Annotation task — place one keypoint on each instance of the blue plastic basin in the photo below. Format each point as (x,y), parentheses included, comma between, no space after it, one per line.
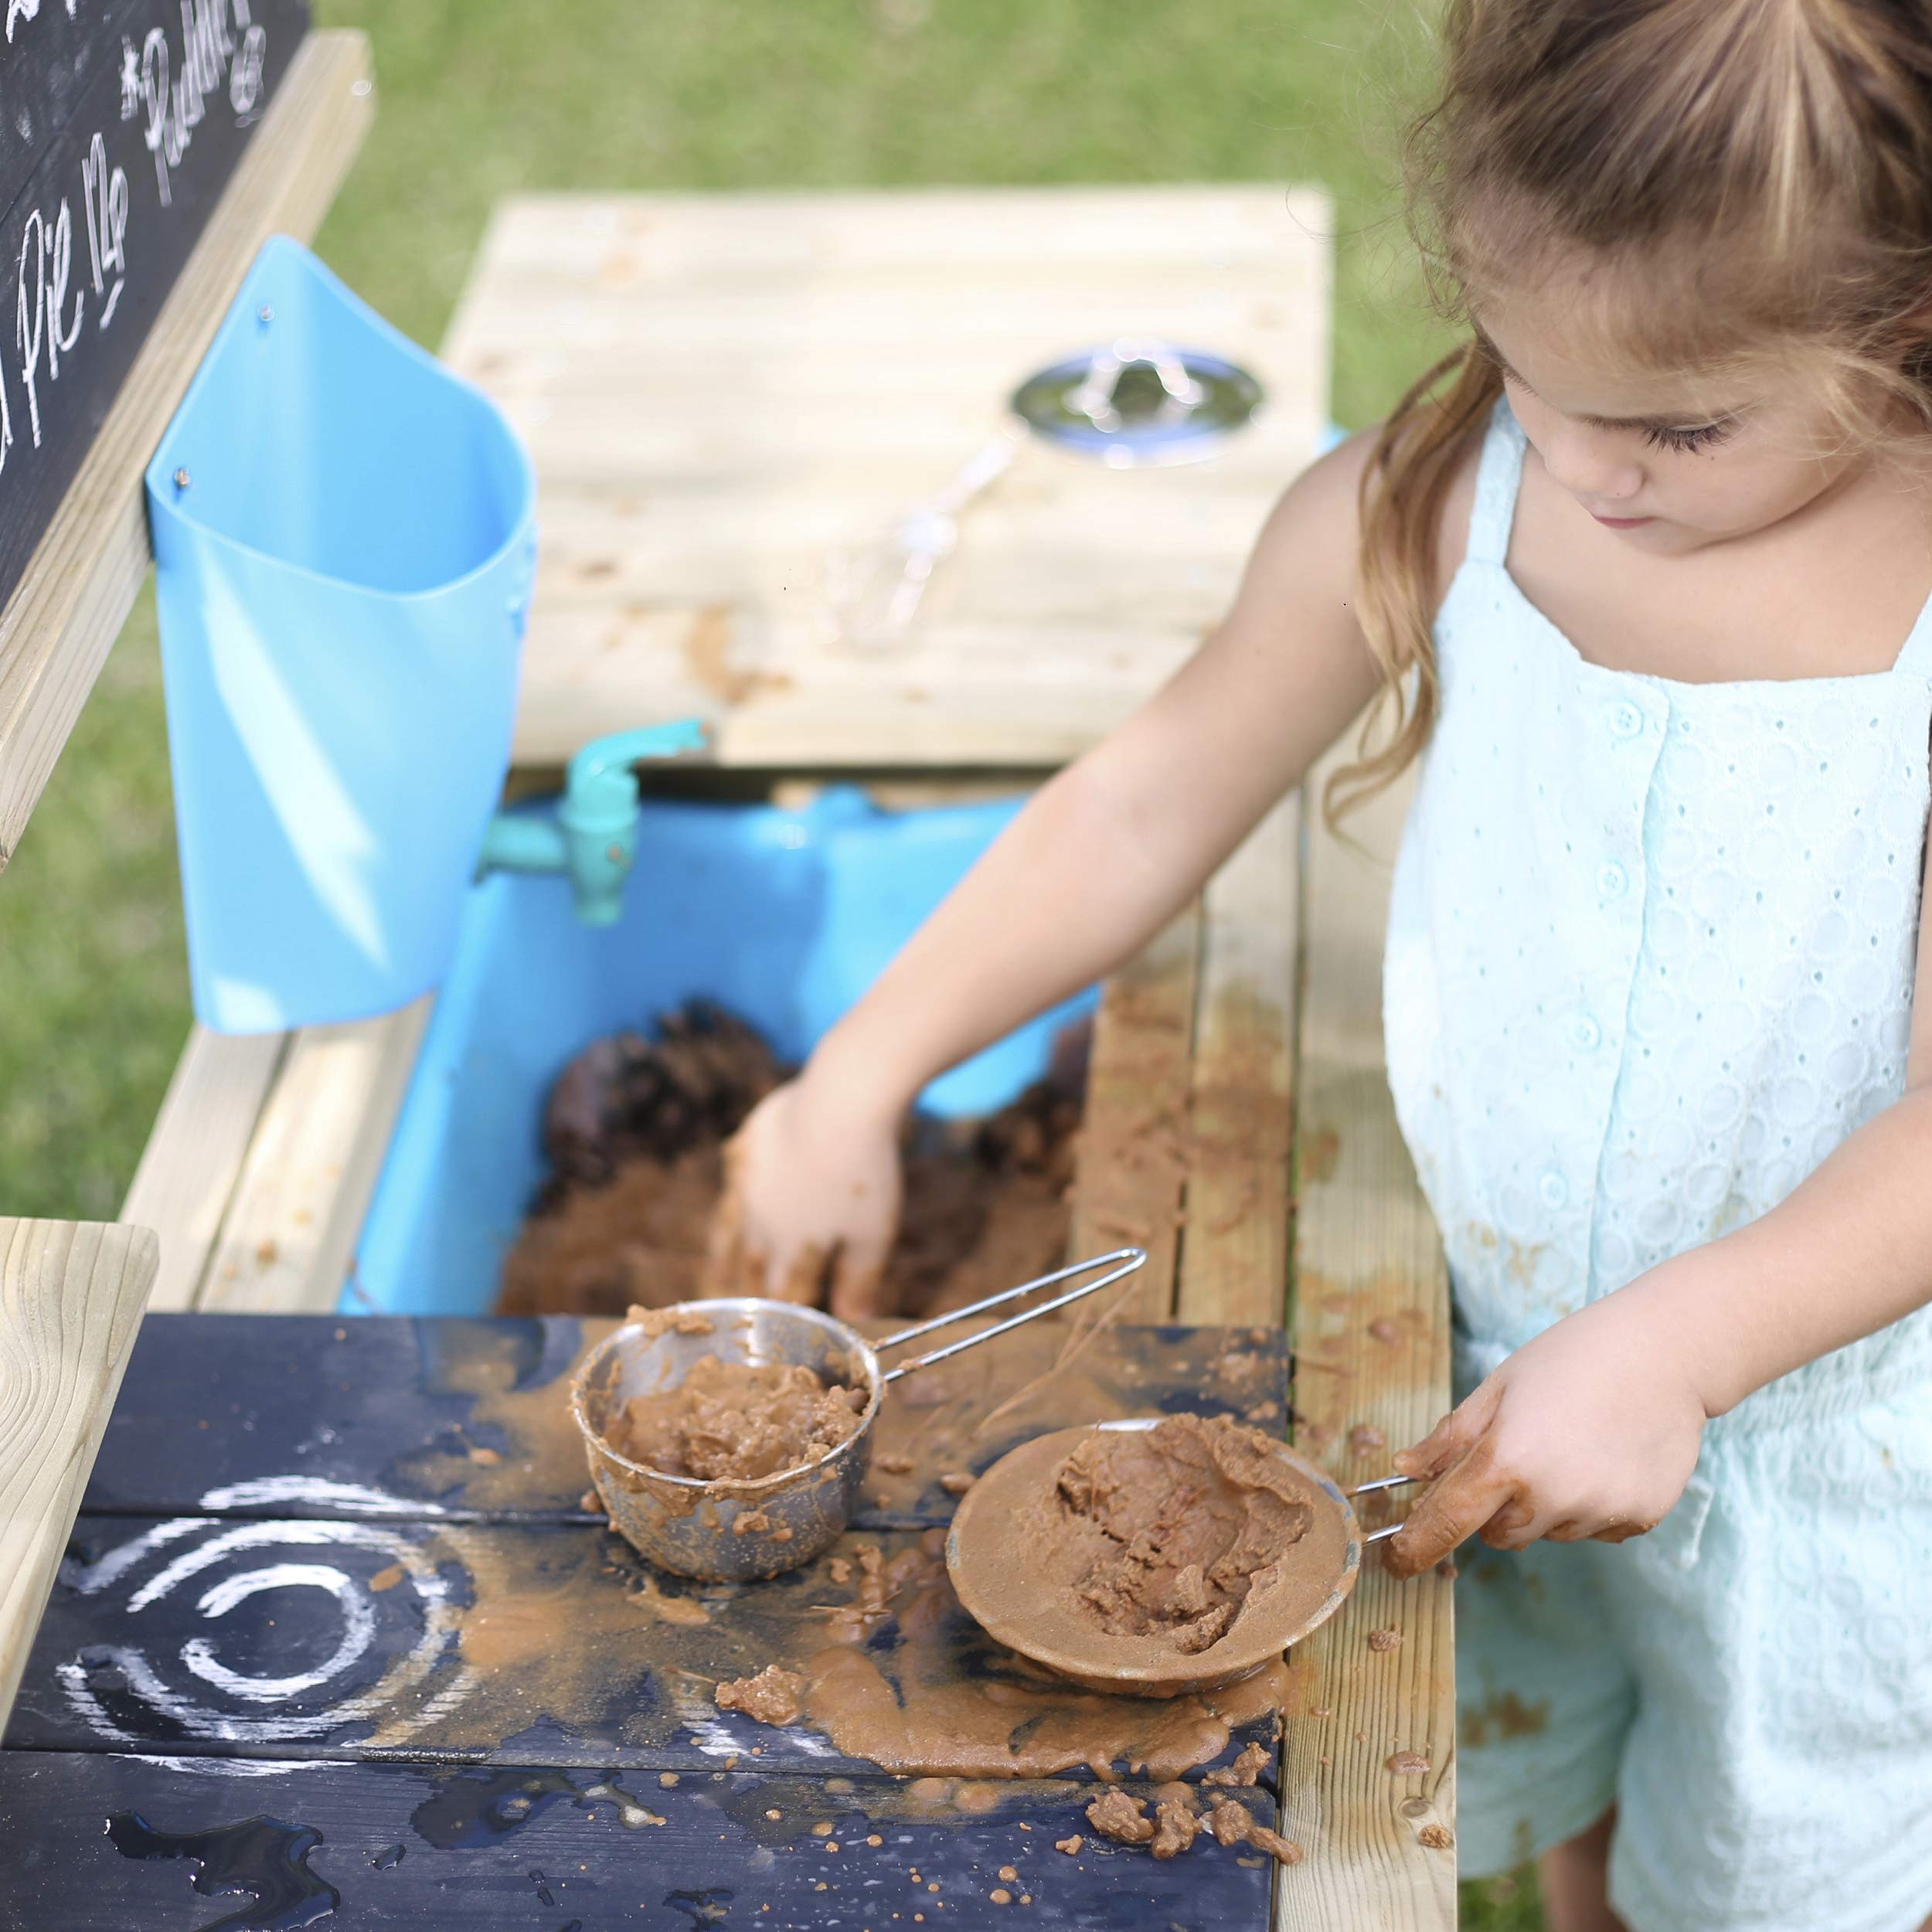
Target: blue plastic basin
(783,917)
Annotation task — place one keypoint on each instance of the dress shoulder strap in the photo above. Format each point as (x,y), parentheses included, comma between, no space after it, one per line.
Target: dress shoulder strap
(1915,658)
(1498,476)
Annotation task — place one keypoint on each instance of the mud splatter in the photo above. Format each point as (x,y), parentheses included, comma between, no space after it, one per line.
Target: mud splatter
(1501,1715)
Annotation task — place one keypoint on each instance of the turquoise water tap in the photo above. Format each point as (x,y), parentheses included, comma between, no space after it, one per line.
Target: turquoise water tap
(593,835)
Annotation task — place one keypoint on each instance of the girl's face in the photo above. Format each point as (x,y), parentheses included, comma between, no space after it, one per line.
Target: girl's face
(1670,463)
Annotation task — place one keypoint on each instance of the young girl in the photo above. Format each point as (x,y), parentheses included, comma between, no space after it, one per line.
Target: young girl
(1643,574)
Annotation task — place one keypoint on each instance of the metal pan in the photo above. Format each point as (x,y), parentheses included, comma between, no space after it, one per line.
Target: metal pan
(1021,1614)
(733,1531)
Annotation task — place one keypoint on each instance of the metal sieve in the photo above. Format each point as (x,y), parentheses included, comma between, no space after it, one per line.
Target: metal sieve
(732,1530)
(981,1566)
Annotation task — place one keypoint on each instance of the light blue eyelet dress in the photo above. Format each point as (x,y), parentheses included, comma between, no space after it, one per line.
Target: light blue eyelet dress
(1650,959)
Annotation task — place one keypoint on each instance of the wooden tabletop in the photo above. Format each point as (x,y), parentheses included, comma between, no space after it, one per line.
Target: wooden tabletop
(296,1529)
(723,391)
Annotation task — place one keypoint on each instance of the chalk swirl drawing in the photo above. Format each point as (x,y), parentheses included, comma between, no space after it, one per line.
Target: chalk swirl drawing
(393,1666)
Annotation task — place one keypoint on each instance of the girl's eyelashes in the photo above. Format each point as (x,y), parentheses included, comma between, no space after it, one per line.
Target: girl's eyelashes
(1703,436)
(1700,436)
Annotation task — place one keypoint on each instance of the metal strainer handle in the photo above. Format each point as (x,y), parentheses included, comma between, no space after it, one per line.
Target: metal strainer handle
(1120,1264)
(1372,1488)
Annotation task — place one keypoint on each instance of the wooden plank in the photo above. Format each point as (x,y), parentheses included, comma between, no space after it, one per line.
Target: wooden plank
(553,1643)
(195,1151)
(852,351)
(1371,1352)
(269,1482)
(520,1848)
(291,1227)
(695,235)
(1131,1160)
(70,1299)
(1234,1252)
(469,1643)
(56,630)
(456,1419)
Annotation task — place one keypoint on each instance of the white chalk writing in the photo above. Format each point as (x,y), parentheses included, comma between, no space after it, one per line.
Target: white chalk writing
(167,86)
(103,192)
(18,10)
(174,94)
(29,316)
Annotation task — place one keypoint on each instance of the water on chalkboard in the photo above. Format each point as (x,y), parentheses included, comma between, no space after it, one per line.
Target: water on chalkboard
(260,1856)
(478,1807)
(706,1908)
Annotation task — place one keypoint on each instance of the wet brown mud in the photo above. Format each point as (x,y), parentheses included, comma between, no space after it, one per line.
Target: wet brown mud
(635,1132)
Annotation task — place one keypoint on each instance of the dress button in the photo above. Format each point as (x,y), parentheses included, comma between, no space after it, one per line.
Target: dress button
(1610,881)
(1585,1035)
(1625,720)
(1554,1189)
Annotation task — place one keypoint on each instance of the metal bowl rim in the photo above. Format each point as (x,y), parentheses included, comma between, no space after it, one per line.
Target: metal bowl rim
(600,1445)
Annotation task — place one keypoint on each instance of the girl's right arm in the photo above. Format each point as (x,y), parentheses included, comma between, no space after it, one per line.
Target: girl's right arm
(1105,854)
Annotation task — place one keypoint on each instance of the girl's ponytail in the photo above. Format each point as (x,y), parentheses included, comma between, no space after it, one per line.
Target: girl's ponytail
(1404,490)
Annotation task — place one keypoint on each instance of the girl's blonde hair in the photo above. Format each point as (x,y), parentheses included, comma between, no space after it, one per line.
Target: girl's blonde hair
(1764,168)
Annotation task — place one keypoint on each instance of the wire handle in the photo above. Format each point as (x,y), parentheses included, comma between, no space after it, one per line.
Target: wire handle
(1375,1488)
(1128,1260)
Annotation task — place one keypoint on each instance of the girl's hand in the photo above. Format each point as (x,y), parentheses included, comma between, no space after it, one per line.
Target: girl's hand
(810,1203)
(1591,1429)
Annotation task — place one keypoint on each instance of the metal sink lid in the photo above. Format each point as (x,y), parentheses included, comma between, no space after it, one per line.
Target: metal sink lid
(1138,401)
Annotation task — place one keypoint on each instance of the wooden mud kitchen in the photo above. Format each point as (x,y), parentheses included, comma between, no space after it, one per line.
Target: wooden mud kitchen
(302,1611)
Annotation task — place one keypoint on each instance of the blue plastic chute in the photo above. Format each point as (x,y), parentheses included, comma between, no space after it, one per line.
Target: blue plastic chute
(345,539)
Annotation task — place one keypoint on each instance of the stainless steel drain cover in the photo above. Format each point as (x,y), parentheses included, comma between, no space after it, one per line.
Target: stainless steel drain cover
(1139,401)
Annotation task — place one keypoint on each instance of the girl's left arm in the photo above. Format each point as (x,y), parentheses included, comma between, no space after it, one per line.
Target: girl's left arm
(1592,1429)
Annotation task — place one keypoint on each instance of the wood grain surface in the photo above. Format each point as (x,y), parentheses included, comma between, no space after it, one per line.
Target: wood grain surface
(1234,1256)
(1131,1174)
(71,1294)
(725,394)
(1371,1374)
(194,1152)
(289,1233)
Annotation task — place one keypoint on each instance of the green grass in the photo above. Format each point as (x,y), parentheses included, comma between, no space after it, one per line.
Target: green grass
(92,970)
(480,98)
(1502,1905)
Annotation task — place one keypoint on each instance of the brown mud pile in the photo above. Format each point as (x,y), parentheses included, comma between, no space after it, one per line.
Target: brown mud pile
(1175,1824)
(1173,1524)
(776,1695)
(874,1647)
(898,1679)
(1163,1557)
(737,1421)
(635,1132)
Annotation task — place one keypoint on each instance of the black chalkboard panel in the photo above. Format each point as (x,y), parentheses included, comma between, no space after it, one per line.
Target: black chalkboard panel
(124,122)
(101,1841)
(274,1416)
(49,51)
